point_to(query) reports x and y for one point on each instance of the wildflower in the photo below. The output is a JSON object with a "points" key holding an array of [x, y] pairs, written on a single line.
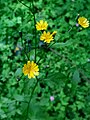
{"points": [[46, 37], [31, 69], [77, 24], [42, 25], [51, 98], [83, 22]]}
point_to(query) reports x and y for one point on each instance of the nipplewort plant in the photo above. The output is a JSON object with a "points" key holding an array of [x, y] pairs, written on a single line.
{"points": [[44, 51]]}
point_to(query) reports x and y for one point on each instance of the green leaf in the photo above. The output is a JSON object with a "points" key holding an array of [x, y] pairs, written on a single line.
{"points": [[76, 77], [37, 112], [75, 81], [18, 72], [19, 97], [58, 45], [56, 78]]}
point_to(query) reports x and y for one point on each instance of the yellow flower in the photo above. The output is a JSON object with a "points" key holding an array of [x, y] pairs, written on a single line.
{"points": [[46, 37], [31, 69], [83, 22], [42, 25]]}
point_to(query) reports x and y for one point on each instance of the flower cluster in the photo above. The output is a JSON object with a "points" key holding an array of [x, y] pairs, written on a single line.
{"points": [[46, 36], [31, 69]]}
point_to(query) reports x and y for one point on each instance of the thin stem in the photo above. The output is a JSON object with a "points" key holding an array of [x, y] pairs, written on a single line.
{"points": [[52, 44], [33, 12], [68, 30], [29, 7], [73, 25], [31, 97], [23, 47], [35, 37], [24, 4], [39, 60], [83, 75], [54, 51], [34, 30]]}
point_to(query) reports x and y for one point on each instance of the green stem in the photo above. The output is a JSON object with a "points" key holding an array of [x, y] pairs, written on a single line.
{"points": [[34, 30], [31, 97], [24, 51], [39, 60], [23, 4], [35, 37], [73, 25], [68, 30]]}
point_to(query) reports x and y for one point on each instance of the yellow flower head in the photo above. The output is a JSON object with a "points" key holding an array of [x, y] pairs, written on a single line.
{"points": [[31, 69], [83, 22], [41, 25], [46, 37]]}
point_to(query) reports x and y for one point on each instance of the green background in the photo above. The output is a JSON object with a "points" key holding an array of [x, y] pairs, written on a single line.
{"points": [[64, 69]]}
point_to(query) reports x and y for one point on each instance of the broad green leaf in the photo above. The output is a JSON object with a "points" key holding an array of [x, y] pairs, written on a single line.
{"points": [[56, 78], [38, 112]]}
